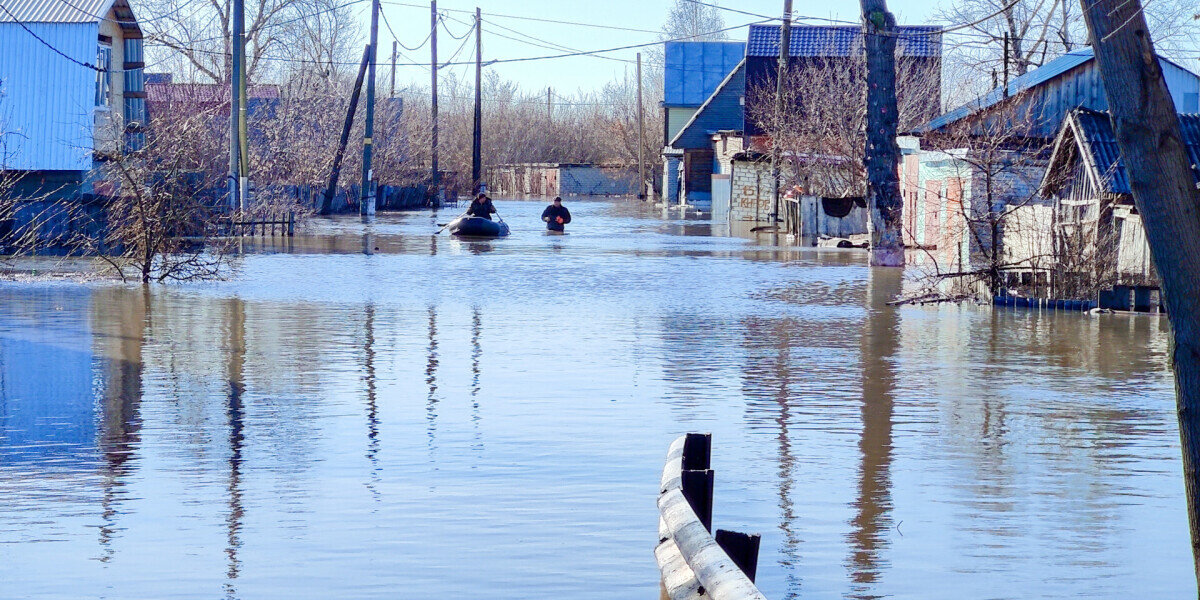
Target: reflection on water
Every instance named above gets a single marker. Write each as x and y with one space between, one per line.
237 387
317 425
880 342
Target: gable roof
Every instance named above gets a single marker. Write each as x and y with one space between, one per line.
1062 65
840 40
55 11
721 111
1091 133
693 70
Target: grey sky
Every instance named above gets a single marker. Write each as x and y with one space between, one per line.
411 24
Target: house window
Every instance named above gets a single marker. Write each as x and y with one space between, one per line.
103 75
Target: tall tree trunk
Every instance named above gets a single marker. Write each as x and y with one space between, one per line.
882 153
1152 148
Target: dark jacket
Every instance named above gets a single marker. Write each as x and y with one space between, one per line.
481 209
549 216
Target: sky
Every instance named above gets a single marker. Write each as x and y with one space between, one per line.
571 74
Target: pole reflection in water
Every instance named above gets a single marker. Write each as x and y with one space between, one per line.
372 406
768 380
476 355
431 366
235 414
872 518
120 421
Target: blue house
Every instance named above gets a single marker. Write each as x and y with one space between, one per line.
692 72
71 90
690 153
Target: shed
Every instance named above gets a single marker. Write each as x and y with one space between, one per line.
1099 234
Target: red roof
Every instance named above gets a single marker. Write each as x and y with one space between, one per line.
208 93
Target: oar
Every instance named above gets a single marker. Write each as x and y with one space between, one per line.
452 220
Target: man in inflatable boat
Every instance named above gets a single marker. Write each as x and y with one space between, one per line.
482 207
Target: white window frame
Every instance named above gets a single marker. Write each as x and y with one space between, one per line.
104 75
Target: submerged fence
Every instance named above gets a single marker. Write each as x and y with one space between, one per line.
695 563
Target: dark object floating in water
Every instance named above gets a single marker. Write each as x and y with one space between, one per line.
477 227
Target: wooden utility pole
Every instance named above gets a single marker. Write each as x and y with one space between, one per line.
243 138
235 129
435 177
882 156
331 189
392 92
1164 190
785 47
477 137
366 197
1006 50
641 134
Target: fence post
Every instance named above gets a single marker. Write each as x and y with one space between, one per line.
742 549
697 487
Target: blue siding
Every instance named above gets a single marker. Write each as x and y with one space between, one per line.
46 110
695 69
722 111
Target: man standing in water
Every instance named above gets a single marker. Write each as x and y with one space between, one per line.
556 215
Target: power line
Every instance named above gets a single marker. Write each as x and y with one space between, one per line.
465 38
442 20
538 19
48 44
395 37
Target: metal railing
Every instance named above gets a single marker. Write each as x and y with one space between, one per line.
696 563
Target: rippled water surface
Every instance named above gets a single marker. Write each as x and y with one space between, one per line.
372 412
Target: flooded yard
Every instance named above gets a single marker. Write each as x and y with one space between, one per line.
368 411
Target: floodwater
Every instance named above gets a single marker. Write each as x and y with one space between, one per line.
373 412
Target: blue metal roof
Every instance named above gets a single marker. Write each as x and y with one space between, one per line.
693 70
1097 138
55 11
1018 84
46 101
1085 90
840 40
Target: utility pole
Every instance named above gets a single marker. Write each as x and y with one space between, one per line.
366 199
392 92
327 201
549 107
235 123
641 134
882 154
1006 49
477 136
1160 176
435 181
785 47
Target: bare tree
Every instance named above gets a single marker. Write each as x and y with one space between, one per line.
193 38
822 134
161 210
1041 30
691 20
995 221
